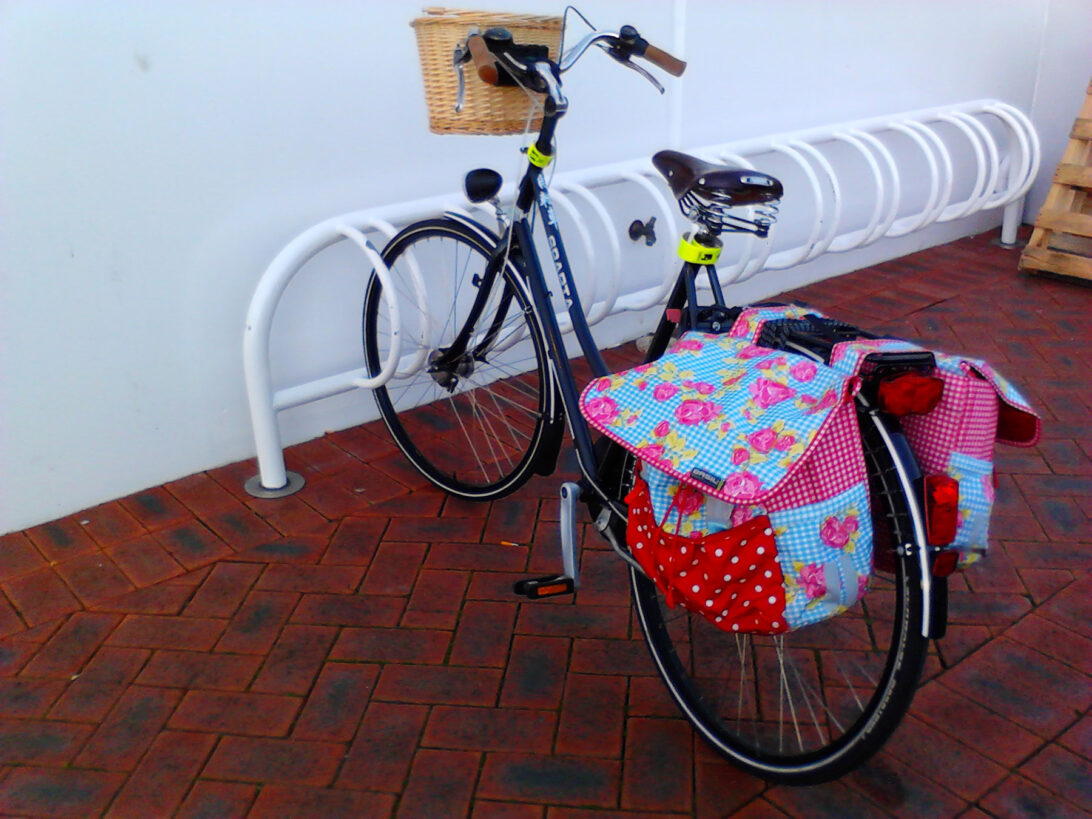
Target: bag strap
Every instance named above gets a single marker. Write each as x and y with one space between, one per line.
678 509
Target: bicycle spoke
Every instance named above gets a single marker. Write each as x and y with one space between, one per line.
796 706
744 659
499 416
491 436
510 402
808 702
496 413
470 444
469 419
779 644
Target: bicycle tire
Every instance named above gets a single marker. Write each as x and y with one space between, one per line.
472 428
808 661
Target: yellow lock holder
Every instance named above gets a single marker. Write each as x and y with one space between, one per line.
695 252
537 158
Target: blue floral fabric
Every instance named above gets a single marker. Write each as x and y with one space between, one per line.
718 412
976 494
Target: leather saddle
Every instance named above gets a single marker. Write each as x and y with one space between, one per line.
723 184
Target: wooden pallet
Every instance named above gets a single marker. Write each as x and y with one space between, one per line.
1062 240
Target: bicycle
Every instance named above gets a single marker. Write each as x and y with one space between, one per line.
485 403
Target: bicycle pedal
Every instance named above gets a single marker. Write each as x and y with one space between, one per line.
549 586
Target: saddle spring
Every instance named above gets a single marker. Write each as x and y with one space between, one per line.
708 210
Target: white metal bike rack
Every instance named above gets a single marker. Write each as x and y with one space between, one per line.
1002 175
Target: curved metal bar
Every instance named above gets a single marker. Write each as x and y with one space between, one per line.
817 220
428 324
836 197
896 185
1033 145
947 172
390 297
993 164
964 208
908 224
1002 176
1019 181
598 312
857 238
256 370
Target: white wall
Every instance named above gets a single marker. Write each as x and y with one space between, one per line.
154 156
1064 74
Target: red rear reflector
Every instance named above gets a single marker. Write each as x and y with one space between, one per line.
945 563
909 394
941 509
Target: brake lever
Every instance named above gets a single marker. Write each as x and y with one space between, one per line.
628 63
460 56
646 74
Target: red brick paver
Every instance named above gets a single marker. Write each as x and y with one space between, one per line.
356 650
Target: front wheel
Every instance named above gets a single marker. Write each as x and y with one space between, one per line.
812 704
468 401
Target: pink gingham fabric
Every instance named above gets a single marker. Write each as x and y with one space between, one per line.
978 408
964 421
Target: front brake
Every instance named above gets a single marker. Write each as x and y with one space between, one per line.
459 58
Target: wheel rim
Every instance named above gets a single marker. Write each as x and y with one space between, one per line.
470 423
788 702
808 705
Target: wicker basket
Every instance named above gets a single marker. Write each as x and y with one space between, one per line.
487 109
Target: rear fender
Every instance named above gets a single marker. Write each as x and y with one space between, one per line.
934 590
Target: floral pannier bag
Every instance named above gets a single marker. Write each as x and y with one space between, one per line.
977 408
751 501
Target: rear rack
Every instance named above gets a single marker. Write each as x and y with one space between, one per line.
819 334
816 333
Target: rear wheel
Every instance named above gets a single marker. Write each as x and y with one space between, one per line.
809 705
472 422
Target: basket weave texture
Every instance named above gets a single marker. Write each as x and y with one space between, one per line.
487 109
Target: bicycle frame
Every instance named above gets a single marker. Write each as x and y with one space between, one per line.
681 308
526 301
518 242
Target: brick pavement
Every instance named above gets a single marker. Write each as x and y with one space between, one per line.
355 650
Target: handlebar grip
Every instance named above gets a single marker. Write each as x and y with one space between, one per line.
484 63
659 57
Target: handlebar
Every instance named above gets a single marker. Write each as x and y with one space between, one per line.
658 57
484 63
499 61
622 45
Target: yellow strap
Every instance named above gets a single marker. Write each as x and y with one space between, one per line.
537 158
691 251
